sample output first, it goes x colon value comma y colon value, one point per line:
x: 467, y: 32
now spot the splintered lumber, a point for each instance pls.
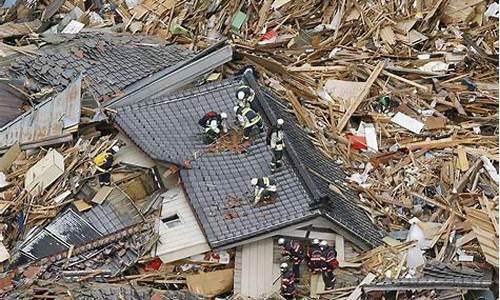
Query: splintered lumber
x: 484, y: 230
x: 361, y: 97
x: 356, y: 294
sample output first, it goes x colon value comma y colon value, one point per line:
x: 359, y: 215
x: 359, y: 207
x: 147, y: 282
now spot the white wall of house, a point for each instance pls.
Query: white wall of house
x: 180, y: 234
x: 254, y: 269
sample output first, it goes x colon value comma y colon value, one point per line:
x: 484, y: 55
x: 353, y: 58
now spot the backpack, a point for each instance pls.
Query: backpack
x: 209, y: 115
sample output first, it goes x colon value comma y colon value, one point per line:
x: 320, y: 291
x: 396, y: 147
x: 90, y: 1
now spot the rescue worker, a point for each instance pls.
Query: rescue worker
x: 275, y: 140
x: 265, y: 188
x: 314, y: 254
x: 294, y: 250
x: 245, y: 96
x: 249, y: 120
x: 329, y: 258
x: 104, y: 164
x: 287, y: 282
x: 214, y: 125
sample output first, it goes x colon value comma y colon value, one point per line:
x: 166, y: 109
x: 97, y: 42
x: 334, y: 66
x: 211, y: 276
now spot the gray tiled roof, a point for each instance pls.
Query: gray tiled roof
x: 166, y: 128
x: 110, y: 62
x: 340, y: 209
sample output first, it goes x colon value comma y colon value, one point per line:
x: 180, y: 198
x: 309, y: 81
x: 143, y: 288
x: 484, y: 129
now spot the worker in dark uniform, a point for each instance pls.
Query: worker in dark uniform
x: 249, y: 120
x: 214, y: 125
x: 265, y: 188
x: 329, y: 258
x: 294, y: 250
x: 314, y: 257
x: 287, y: 282
x: 246, y: 96
x: 104, y: 164
x: 275, y: 140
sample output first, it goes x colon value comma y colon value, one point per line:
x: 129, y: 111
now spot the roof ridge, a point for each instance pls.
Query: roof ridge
x: 317, y: 196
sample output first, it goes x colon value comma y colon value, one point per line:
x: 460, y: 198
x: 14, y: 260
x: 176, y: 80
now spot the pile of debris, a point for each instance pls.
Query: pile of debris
x: 402, y: 95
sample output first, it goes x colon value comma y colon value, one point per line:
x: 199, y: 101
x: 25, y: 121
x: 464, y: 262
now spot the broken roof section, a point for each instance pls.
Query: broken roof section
x: 437, y: 276
x: 54, y: 120
x: 11, y: 101
x: 109, y: 63
x: 218, y: 184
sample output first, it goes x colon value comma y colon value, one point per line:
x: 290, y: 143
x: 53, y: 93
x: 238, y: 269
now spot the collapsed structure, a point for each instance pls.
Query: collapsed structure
x: 391, y: 153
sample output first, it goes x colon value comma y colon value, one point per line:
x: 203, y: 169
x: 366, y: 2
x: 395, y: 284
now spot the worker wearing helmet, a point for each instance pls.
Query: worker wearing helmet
x: 293, y: 250
x: 214, y: 125
x: 245, y: 96
x: 265, y: 188
x: 276, y: 141
x: 104, y: 164
x: 249, y: 119
x: 314, y: 257
x: 288, y: 282
x: 329, y: 258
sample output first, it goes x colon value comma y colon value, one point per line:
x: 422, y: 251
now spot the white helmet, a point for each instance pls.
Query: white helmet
x: 223, y: 115
x: 323, y: 243
x: 315, y: 242
x: 280, y: 122
x: 115, y: 148
x: 281, y: 241
x: 254, y: 181
x: 284, y: 267
x: 241, y: 95
x: 235, y: 109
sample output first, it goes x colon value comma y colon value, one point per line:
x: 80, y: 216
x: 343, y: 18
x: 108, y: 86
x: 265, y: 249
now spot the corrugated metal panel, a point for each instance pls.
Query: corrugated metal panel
x: 185, y: 239
x: 10, y: 103
x: 257, y: 269
x: 114, y: 214
x: 43, y: 245
x: 72, y: 229
x: 45, y: 121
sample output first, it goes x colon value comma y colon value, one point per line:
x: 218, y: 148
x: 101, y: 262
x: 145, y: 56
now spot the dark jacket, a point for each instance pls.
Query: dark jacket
x: 293, y: 249
x: 288, y: 283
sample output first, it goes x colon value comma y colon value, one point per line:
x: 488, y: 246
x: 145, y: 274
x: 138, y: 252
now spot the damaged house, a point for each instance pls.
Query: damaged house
x: 213, y: 191
x: 174, y: 202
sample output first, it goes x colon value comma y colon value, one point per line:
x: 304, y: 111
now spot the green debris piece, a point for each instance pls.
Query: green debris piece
x: 238, y: 20
x: 177, y: 29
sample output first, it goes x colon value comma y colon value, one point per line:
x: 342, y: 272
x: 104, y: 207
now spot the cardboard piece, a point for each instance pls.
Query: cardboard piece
x: 102, y: 194
x: 411, y: 124
x: 44, y: 172
x: 211, y: 284
x: 432, y: 123
x: 81, y: 205
x: 9, y: 157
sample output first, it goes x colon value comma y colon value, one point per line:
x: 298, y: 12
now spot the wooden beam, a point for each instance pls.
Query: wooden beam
x: 362, y: 95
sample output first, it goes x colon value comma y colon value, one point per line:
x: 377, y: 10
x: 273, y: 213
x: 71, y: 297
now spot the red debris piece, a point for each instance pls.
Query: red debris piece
x: 271, y: 34
x: 31, y: 271
x: 155, y: 264
x: 358, y: 142
x: 157, y: 296
x: 6, y: 283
